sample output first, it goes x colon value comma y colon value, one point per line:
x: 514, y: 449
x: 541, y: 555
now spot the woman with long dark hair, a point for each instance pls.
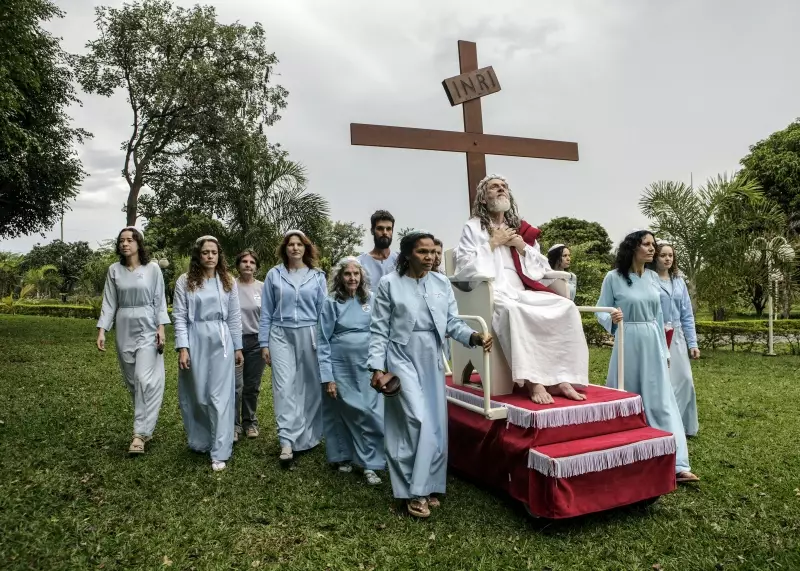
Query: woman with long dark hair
x: 634, y: 291
x: 679, y: 317
x: 134, y: 298
x: 352, y: 412
x: 560, y: 257
x: 291, y: 301
x: 414, y: 309
x: 208, y: 337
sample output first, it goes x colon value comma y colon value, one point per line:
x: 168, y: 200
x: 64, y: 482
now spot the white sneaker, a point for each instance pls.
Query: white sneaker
x: 372, y: 478
x: 286, y: 454
x: 217, y: 466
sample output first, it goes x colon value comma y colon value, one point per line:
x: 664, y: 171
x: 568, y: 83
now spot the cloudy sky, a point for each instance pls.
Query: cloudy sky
x: 649, y: 89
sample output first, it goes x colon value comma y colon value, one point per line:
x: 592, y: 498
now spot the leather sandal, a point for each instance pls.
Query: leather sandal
x: 686, y: 477
x: 387, y: 384
x: 434, y: 502
x: 418, y: 507
x: 137, y: 445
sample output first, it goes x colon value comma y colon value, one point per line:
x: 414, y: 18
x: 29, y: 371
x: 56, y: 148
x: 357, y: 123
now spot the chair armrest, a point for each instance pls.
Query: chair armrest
x: 476, y: 278
x: 556, y: 275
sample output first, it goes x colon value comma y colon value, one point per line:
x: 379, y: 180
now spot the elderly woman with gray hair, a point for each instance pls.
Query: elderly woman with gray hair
x: 352, y: 412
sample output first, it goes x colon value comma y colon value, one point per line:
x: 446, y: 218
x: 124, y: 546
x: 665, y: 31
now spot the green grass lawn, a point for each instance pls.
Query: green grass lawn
x: 70, y: 498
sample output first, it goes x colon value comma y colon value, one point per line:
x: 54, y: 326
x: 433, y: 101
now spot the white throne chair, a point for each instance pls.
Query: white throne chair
x: 479, y: 301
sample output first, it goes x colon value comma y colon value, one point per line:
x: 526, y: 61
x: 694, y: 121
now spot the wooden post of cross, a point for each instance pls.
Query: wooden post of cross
x: 465, y: 89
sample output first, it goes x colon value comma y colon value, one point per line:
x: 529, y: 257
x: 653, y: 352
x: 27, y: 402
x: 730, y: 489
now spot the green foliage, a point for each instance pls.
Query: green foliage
x: 706, y: 232
x: 572, y: 232
x: 69, y: 257
x: 191, y: 82
x: 10, y: 272
x: 11, y: 305
x: 52, y: 310
x: 589, y: 247
x: 93, y: 277
x: 44, y: 279
x: 39, y: 167
x: 775, y: 163
x: 338, y: 240
x: 748, y: 335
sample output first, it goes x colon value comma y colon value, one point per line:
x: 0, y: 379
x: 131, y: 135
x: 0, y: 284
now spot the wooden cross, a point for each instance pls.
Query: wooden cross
x: 472, y: 141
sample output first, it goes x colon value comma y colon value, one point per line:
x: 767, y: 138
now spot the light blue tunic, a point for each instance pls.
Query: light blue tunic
x: 646, y: 354
x: 290, y: 306
x: 377, y: 269
x: 135, y: 300
x: 677, y: 308
x: 353, y: 422
x: 208, y: 323
x: 409, y: 321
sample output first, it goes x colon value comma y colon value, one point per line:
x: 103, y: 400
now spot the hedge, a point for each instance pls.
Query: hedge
x: 52, y: 310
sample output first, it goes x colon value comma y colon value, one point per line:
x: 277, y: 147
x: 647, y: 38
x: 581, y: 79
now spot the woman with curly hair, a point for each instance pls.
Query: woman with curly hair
x: 134, y: 298
x: 208, y: 336
x: 352, y: 413
x: 678, y: 315
x: 634, y: 291
x: 414, y: 310
x: 291, y: 300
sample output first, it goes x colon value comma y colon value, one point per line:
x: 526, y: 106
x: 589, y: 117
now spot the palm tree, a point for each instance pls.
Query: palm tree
x: 699, y: 223
x: 269, y: 198
x: 43, y: 279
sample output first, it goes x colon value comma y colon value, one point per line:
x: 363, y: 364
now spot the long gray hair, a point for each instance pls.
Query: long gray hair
x: 480, y: 208
x: 336, y: 286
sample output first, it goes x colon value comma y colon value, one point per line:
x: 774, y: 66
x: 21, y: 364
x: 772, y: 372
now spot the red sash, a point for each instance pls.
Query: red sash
x: 529, y: 235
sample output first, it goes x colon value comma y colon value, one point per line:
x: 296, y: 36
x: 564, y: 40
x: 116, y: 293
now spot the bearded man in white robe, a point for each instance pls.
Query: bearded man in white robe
x: 539, y: 331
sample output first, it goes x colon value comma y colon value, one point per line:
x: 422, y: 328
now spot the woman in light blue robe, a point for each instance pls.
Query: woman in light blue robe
x: 352, y: 412
x: 208, y: 337
x: 287, y: 332
x: 134, y: 298
x: 414, y: 309
x: 677, y: 308
x: 634, y: 291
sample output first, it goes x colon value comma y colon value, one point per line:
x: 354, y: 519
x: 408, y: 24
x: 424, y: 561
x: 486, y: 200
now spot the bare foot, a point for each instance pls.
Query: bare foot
x: 539, y: 394
x: 567, y: 391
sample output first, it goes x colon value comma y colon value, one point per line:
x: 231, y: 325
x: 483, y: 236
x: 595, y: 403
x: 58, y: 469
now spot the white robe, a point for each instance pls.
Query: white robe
x: 540, y: 333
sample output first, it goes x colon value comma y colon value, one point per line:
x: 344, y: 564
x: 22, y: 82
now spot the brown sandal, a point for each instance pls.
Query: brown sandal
x: 434, y: 502
x: 686, y: 477
x: 418, y: 507
x: 137, y: 444
x: 387, y: 384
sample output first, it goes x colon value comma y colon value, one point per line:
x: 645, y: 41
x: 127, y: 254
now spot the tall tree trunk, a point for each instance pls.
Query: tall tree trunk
x: 133, y: 202
x: 786, y: 295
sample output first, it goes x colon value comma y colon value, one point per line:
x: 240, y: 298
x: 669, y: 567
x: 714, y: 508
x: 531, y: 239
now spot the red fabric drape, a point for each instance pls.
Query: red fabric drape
x: 529, y: 234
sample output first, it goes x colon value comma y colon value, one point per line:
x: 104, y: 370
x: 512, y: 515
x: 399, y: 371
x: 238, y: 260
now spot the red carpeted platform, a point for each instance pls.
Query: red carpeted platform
x: 566, y: 459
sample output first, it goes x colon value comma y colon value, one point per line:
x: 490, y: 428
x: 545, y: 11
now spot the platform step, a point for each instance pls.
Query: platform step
x: 598, y: 453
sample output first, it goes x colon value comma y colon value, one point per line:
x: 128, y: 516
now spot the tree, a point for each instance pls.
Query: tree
x: 43, y: 279
x: 189, y: 81
x: 572, y: 231
x: 775, y: 163
x: 340, y: 239
x: 69, y: 257
x: 10, y: 272
x: 702, y: 225
x: 39, y: 167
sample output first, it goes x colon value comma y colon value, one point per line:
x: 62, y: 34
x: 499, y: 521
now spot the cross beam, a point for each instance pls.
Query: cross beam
x: 472, y: 141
